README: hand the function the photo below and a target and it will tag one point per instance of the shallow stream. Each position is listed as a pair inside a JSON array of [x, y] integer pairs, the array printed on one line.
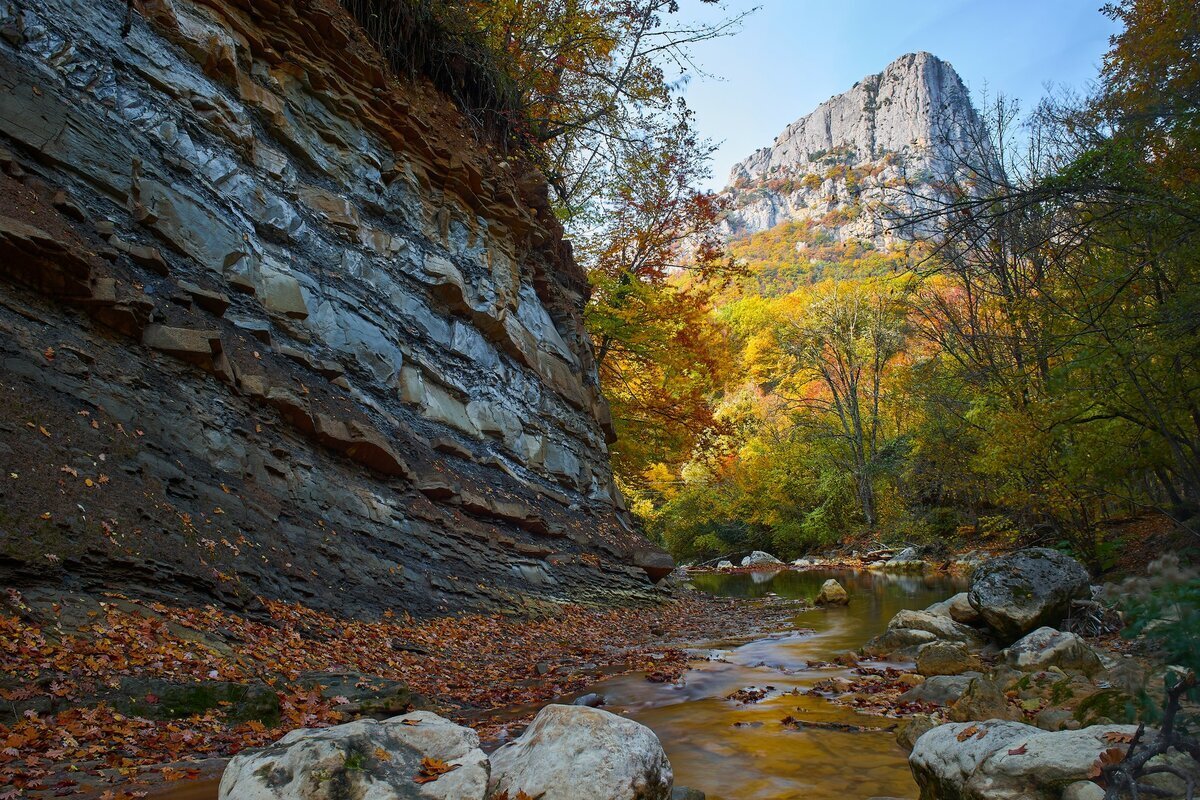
[[733, 751]]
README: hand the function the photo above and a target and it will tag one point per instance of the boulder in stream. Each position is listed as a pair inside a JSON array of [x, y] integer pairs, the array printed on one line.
[[957, 608], [760, 559], [940, 626], [364, 758], [907, 560], [945, 658], [1046, 647], [578, 753], [1024, 590], [832, 594]]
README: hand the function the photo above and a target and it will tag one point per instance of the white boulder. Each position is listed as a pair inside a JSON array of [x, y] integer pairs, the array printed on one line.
[[365, 759], [997, 760], [758, 558], [943, 627], [1047, 647], [581, 753]]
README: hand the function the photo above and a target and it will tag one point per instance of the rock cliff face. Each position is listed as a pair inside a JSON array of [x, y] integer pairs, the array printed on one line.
[[274, 323], [843, 166]]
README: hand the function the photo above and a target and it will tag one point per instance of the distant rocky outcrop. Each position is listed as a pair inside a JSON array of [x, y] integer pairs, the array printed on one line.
[[275, 323], [852, 165]]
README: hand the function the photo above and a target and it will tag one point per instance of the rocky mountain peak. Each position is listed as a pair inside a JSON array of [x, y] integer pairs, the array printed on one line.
[[911, 122]]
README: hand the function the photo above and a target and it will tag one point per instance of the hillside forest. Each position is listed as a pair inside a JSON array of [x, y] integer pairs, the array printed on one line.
[[1021, 363], [1023, 367]]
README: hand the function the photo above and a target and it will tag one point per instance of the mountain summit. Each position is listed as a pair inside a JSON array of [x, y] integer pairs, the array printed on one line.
[[910, 125]]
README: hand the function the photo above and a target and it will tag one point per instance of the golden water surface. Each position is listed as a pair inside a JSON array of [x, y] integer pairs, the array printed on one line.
[[761, 759]]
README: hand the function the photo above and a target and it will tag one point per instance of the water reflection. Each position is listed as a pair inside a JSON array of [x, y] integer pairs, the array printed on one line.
[[742, 751]]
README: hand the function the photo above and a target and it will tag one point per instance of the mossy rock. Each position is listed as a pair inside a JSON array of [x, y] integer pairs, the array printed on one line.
[[154, 698], [1112, 705], [366, 695]]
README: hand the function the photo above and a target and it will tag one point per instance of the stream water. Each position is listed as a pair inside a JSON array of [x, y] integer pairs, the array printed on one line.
[[732, 751], [742, 752]]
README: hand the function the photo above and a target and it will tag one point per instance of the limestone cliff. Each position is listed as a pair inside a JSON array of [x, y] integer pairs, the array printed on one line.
[[273, 322], [864, 156]]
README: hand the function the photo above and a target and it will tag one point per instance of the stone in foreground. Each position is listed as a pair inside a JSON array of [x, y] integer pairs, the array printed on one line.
[[832, 594], [580, 753], [363, 759], [897, 643], [1023, 591], [998, 760], [941, 690]]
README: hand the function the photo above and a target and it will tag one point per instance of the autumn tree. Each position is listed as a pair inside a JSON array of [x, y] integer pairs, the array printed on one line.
[[1062, 293], [840, 347], [593, 78], [654, 261]]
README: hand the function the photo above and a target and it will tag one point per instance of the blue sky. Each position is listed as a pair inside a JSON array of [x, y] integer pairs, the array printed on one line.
[[794, 54]]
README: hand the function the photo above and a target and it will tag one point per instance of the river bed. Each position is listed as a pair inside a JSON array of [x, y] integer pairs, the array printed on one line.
[[733, 751]]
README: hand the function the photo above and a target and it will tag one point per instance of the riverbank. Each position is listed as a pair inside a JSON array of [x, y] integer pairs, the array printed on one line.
[[774, 704], [107, 691]]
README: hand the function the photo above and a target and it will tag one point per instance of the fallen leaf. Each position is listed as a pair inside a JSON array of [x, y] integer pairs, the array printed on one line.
[[432, 769]]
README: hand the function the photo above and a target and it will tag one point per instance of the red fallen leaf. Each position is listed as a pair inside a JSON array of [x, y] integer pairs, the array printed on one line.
[[152, 699], [432, 769], [1018, 751]]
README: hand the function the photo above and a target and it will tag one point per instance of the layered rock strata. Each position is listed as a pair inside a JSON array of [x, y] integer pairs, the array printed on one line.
[[276, 324]]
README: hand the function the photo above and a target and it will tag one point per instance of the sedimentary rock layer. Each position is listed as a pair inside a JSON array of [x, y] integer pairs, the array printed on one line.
[[275, 323]]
